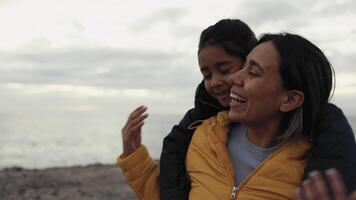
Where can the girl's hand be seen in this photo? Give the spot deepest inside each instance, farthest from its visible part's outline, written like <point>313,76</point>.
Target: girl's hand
<point>314,188</point>
<point>131,132</point>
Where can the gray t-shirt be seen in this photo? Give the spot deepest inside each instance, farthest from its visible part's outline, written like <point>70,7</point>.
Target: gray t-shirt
<point>245,156</point>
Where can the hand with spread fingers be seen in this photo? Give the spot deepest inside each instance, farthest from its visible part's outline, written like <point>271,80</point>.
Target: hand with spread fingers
<point>131,132</point>
<point>314,188</point>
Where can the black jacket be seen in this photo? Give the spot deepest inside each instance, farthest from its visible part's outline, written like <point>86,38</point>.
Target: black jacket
<point>333,146</point>
<point>173,180</point>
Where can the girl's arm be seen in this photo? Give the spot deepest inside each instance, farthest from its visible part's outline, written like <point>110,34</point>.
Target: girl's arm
<point>333,146</point>
<point>174,181</point>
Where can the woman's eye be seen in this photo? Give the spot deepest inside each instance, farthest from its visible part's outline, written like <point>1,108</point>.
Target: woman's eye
<point>251,73</point>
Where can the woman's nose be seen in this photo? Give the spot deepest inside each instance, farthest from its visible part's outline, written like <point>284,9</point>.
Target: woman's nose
<point>237,78</point>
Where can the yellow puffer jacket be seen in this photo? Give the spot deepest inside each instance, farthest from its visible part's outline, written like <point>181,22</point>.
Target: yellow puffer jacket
<point>141,172</point>
<point>212,173</point>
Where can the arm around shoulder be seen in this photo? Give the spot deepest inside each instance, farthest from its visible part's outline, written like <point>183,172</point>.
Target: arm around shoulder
<point>333,146</point>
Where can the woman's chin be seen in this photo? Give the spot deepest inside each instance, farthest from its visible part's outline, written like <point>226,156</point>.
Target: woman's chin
<point>235,117</point>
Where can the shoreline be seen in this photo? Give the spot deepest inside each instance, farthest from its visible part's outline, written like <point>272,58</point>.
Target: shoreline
<point>94,181</point>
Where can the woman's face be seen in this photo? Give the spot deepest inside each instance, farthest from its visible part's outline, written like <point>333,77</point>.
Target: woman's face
<point>257,91</point>
<point>217,66</point>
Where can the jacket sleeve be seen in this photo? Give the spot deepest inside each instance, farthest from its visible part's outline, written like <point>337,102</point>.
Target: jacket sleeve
<point>174,181</point>
<point>333,146</point>
<point>141,172</point>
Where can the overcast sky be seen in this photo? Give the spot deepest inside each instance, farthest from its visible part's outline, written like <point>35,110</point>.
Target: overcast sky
<point>108,56</point>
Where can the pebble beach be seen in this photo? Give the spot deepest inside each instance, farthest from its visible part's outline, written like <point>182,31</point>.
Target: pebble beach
<point>104,182</point>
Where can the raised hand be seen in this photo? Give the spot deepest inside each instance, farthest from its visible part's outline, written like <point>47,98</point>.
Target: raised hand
<point>131,132</point>
<point>314,188</point>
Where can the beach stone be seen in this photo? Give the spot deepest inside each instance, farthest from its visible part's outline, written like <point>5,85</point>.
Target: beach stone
<point>93,182</point>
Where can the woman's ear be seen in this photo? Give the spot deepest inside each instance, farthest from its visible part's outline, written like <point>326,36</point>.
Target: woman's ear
<point>292,100</point>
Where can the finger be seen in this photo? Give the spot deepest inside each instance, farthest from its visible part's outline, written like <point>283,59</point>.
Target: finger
<point>306,190</point>
<point>336,183</point>
<point>297,195</point>
<point>319,186</point>
<point>135,137</point>
<point>130,123</point>
<point>313,187</point>
<point>353,196</point>
<point>137,126</point>
<point>138,111</point>
<point>135,131</point>
<point>136,121</point>
<point>131,132</point>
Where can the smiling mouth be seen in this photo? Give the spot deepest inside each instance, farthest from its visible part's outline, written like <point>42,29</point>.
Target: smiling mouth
<point>238,98</point>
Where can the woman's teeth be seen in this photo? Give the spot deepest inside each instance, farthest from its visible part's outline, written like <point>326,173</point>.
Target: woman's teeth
<point>238,98</point>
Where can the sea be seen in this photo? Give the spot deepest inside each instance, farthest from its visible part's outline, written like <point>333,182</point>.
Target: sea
<point>40,140</point>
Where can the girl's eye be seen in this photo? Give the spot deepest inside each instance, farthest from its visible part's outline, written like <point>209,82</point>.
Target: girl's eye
<point>206,76</point>
<point>225,71</point>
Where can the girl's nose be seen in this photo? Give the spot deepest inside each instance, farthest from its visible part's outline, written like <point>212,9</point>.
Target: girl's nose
<point>216,81</point>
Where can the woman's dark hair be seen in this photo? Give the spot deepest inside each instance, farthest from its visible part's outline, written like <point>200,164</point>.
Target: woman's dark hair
<point>233,35</point>
<point>304,67</point>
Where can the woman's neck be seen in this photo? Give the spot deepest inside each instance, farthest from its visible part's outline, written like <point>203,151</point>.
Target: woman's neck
<point>264,135</point>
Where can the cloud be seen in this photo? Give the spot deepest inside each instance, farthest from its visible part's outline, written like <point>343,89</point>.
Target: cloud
<point>101,66</point>
<point>259,12</point>
<point>70,90</point>
<point>275,16</point>
<point>345,84</point>
<point>3,1</point>
<point>77,25</point>
<point>171,15</point>
<point>335,8</point>
<point>343,62</point>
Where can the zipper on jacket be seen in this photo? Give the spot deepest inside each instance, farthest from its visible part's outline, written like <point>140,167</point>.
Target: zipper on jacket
<point>235,190</point>
<point>233,193</point>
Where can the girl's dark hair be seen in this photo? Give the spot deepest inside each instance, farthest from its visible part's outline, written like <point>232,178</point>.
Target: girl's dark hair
<point>304,67</point>
<point>233,35</point>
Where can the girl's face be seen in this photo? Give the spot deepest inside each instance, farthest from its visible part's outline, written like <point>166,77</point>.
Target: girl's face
<point>257,92</point>
<point>217,66</point>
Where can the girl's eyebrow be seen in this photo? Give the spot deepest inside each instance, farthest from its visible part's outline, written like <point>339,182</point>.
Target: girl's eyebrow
<point>223,62</point>
<point>217,64</point>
